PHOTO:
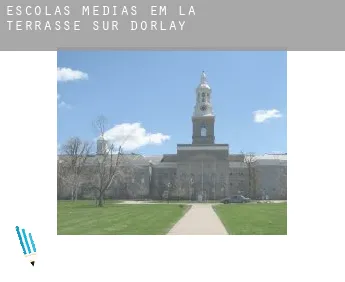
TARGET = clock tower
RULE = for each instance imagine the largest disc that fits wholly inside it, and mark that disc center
(203, 117)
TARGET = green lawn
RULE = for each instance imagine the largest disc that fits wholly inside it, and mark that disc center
(84, 218)
(182, 201)
(254, 219)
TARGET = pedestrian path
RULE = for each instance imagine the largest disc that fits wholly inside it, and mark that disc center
(199, 220)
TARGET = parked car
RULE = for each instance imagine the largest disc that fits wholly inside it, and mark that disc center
(236, 199)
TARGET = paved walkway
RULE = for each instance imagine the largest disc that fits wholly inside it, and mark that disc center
(199, 220)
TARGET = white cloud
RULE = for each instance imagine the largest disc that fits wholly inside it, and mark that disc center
(133, 136)
(67, 74)
(262, 115)
(64, 105)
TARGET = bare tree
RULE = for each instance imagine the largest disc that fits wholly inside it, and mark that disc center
(111, 166)
(100, 124)
(160, 186)
(283, 182)
(177, 182)
(179, 186)
(282, 176)
(72, 164)
(106, 168)
(249, 160)
(60, 179)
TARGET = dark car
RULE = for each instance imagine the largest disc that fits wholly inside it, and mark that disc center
(235, 199)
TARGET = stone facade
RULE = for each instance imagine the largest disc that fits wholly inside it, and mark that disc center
(203, 175)
(202, 170)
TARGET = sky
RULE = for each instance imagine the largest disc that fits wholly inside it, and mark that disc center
(149, 97)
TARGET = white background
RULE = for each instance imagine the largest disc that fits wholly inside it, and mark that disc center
(28, 115)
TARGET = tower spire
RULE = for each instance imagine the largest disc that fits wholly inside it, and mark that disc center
(203, 117)
(203, 79)
(203, 105)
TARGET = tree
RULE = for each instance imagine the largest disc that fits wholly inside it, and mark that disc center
(179, 186)
(72, 164)
(100, 124)
(177, 183)
(60, 179)
(109, 166)
(249, 160)
(283, 182)
(167, 192)
(159, 187)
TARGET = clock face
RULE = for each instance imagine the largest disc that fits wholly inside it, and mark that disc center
(203, 108)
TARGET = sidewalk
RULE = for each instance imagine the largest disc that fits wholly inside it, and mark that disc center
(199, 220)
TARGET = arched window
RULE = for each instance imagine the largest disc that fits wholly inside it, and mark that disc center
(203, 131)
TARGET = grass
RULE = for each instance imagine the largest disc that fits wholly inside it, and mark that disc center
(183, 201)
(254, 219)
(84, 218)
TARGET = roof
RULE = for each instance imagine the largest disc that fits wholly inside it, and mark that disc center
(282, 157)
(267, 157)
(135, 159)
(169, 158)
(269, 162)
(236, 158)
(154, 159)
(204, 85)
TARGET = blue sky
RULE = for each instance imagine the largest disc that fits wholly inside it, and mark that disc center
(157, 90)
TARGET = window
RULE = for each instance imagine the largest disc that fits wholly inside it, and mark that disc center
(203, 132)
